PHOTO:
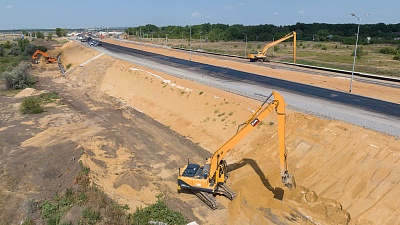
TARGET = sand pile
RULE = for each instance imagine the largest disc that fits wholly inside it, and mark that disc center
(27, 92)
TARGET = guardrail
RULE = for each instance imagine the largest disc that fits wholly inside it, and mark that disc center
(60, 65)
(367, 75)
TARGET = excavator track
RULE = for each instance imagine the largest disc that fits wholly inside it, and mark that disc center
(224, 190)
(207, 198)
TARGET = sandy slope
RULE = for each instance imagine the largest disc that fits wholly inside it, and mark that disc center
(342, 165)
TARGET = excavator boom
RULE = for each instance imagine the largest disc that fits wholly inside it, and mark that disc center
(261, 55)
(44, 54)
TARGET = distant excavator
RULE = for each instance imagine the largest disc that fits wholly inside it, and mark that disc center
(48, 59)
(209, 180)
(261, 56)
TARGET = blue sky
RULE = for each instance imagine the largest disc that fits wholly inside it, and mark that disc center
(26, 14)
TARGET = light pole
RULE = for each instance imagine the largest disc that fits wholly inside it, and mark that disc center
(355, 51)
(245, 47)
(201, 45)
(190, 40)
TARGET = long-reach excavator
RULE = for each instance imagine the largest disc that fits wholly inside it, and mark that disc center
(210, 180)
(47, 57)
(261, 56)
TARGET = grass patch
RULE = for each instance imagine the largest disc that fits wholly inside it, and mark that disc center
(92, 206)
(68, 66)
(158, 211)
(31, 105)
(34, 104)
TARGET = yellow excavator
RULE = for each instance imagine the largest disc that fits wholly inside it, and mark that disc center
(261, 56)
(210, 180)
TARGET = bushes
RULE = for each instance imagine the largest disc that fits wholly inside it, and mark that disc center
(388, 50)
(2, 51)
(360, 52)
(19, 78)
(31, 105)
(158, 211)
(391, 51)
(42, 48)
(34, 104)
(14, 51)
(30, 49)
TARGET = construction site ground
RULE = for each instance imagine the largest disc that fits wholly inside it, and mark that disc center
(134, 127)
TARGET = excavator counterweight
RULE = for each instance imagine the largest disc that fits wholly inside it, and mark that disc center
(210, 180)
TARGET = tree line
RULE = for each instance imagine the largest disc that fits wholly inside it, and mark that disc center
(346, 33)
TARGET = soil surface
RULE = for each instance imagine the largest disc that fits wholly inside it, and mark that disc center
(135, 127)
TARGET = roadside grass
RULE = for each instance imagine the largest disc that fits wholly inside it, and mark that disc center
(35, 104)
(328, 54)
(91, 205)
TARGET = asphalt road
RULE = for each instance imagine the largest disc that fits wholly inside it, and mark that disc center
(367, 112)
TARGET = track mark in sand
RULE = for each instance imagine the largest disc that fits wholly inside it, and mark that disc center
(163, 80)
(97, 56)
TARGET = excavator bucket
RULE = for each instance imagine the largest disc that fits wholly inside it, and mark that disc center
(289, 181)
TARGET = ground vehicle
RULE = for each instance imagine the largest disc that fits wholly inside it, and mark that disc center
(260, 56)
(94, 43)
(47, 57)
(209, 180)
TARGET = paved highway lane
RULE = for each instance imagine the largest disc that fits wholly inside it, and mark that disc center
(371, 113)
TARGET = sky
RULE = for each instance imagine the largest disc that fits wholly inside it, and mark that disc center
(47, 14)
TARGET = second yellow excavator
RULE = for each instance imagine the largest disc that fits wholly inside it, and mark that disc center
(210, 180)
(261, 56)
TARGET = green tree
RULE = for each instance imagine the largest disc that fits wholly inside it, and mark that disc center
(30, 49)
(61, 32)
(49, 36)
(19, 77)
(25, 33)
(39, 34)
(14, 51)
(22, 43)
(7, 45)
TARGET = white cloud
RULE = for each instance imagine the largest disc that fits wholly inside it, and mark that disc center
(300, 12)
(276, 13)
(196, 14)
(9, 6)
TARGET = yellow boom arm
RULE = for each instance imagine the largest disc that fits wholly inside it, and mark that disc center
(278, 104)
(261, 55)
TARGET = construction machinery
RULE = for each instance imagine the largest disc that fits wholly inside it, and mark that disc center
(210, 180)
(261, 56)
(44, 54)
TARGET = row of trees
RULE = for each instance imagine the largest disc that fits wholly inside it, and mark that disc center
(377, 33)
(59, 32)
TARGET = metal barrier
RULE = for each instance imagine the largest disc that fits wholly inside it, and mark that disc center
(60, 65)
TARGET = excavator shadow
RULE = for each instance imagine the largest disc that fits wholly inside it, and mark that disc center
(278, 192)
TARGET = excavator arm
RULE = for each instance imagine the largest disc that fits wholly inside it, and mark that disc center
(44, 54)
(261, 55)
(278, 104)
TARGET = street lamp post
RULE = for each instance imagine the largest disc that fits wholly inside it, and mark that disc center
(190, 40)
(245, 47)
(355, 51)
(201, 44)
